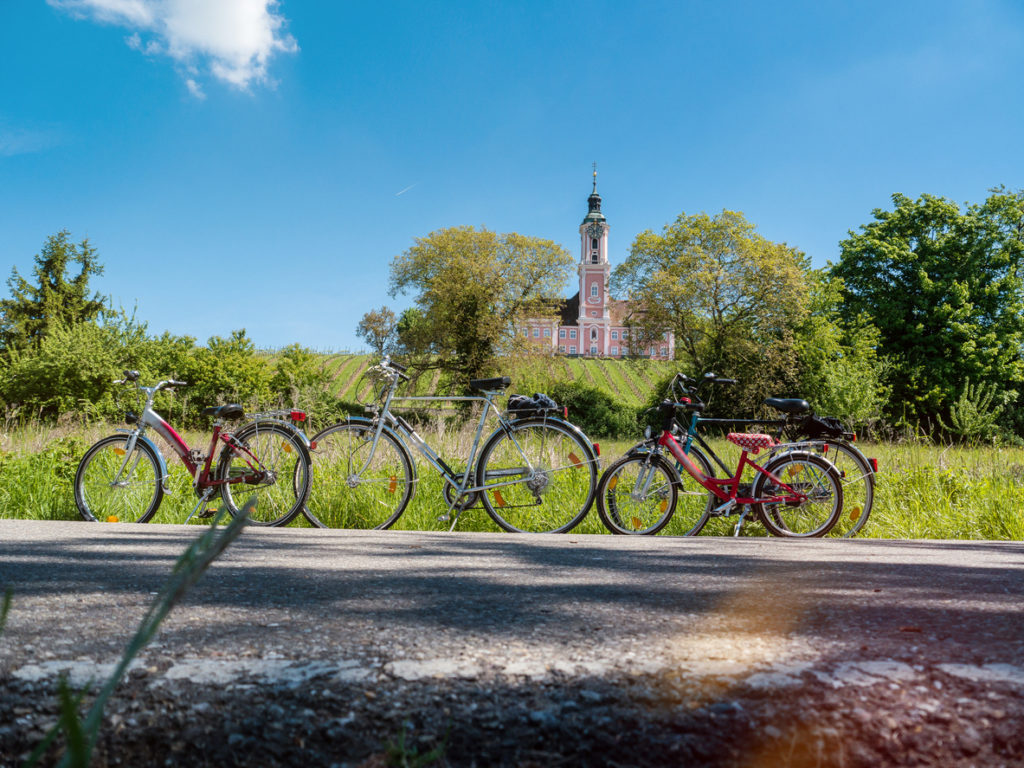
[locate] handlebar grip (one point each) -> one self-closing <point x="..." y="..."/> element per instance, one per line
<point x="724" y="381"/>
<point x="173" y="383"/>
<point x="397" y="366"/>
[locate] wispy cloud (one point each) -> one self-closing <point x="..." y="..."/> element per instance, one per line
<point x="232" y="40"/>
<point x="22" y="141"/>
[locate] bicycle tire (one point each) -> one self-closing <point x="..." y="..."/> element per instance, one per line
<point x="637" y="495"/>
<point x="552" y="498"/>
<point x="693" y="508"/>
<point x="858" y="479"/>
<point x="343" y="496"/>
<point x="134" y="498"/>
<point x="812" y="475"/>
<point x="281" y="453"/>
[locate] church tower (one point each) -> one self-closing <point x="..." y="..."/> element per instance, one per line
<point x="594" y="317"/>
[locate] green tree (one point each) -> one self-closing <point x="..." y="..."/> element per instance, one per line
<point x="379" y="329"/>
<point x="55" y="298"/>
<point x="840" y="372"/>
<point x="732" y="297"/>
<point x="472" y="288"/>
<point x="943" y="287"/>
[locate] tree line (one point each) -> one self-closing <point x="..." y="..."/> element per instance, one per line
<point x="917" y="327"/>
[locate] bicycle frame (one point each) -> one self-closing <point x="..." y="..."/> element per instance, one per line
<point x="727" y="489"/>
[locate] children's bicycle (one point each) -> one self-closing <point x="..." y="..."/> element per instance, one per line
<point x="535" y="473"/>
<point x="799" y="429"/>
<point x="123" y="477"/>
<point x="794" y="494"/>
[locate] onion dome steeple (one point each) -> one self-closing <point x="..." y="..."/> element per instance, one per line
<point x="594" y="203"/>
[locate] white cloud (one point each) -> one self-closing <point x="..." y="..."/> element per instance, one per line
<point x="232" y="39"/>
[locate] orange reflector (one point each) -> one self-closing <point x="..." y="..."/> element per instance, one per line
<point x="119" y="451"/>
<point x="663" y="505"/>
<point x="637" y="525"/>
<point x="111" y="518"/>
<point x="393" y="484"/>
<point x="612" y="483"/>
<point x="575" y="459"/>
<point x="498" y="499"/>
<point x="794" y="471"/>
<point x="855" y="513"/>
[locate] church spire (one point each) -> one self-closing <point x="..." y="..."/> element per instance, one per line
<point x="594" y="203"/>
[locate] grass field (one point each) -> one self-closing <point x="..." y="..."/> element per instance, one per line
<point x="923" y="491"/>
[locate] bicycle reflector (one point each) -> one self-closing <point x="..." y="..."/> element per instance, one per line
<point x="597" y="449"/>
<point x="298" y="416"/>
<point x="565" y="412"/>
<point x="874" y="464"/>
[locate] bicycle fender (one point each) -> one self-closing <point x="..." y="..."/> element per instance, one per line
<point x="164" y="475"/>
<point x="285" y="424"/>
<point x="587" y="442"/>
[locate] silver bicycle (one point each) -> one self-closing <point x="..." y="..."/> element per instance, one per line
<point x="535" y="472"/>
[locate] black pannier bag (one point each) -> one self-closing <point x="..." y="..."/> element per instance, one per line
<point x="521" y="406"/>
<point x="821" y="426"/>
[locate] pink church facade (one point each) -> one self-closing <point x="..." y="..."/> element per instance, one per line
<point x="592" y="323"/>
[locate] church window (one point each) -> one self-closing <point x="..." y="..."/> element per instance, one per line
<point x="572" y="333"/>
<point x="547" y="333"/>
<point x="615" y="351"/>
<point x="593" y="289"/>
<point x="615" y="334"/>
<point x="561" y="333"/>
<point x="593" y="243"/>
<point x="593" y="349"/>
<point x="593" y="334"/>
<point x="572" y="350"/>
<point x="536" y="333"/>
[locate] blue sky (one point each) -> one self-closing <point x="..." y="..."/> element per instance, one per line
<point x="240" y="164"/>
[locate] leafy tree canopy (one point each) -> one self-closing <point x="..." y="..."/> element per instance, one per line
<point x="943" y="286"/>
<point x="732" y="297"/>
<point x="471" y="289"/>
<point x="55" y="298"/>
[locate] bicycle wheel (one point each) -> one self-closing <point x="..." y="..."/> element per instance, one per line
<point x="811" y="476"/>
<point x="268" y="461"/>
<point x="112" y="486"/>
<point x="858" y="479"/>
<point x="695" y="501"/>
<point x="637" y="494"/>
<point x="539" y="475"/>
<point x="354" y="488"/>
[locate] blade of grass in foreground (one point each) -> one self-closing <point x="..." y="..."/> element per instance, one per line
<point x="81" y="735"/>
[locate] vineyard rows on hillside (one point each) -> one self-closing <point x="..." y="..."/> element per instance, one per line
<point x="631" y="382"/>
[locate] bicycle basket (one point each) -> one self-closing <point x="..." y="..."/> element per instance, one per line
<point x="521" y="406"/>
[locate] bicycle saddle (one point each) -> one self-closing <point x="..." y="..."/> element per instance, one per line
<point x="483" y="385"/>
<point x="226" y="412"/>
<point x="788" y="404"/>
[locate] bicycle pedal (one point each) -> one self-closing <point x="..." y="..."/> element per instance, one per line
<point x="444" y="518"/>
<point x="207" y="513"/>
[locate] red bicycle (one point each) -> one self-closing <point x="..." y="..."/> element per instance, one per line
<point x="123" y="477"/>
<point x="795" y="494"/>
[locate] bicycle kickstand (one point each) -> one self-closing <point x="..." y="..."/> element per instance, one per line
<point x="203" y="498"/>
<point x="739" y="523"/>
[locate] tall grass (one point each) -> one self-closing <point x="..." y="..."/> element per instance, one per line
<point x="923" y="490"/>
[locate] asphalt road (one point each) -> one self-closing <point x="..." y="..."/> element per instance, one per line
<point x="933" y="624"/>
